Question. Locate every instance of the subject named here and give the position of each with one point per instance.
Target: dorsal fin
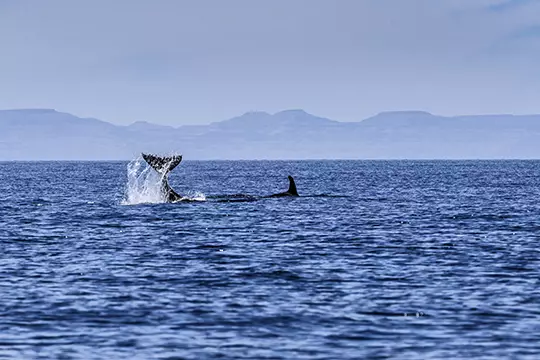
(162, 164)
(292, 187)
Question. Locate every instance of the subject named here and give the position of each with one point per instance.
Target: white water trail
(194, 196)
(143, 185)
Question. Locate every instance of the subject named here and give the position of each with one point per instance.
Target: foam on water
(194, 196)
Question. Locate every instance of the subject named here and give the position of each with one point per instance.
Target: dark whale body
(165, 164)
(290, 192)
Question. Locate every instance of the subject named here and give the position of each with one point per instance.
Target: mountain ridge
(48, 134)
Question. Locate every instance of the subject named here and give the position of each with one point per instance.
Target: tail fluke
(162, 165)
(292, 187)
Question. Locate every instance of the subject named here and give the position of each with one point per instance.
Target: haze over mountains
(45, 134)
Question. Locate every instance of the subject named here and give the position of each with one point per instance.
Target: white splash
(194, 196)
(143, 185)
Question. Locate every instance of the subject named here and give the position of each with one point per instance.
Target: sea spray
(143, 185)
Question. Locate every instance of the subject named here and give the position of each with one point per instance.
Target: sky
(182, 62)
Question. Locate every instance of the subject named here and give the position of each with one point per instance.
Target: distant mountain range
(45, 134)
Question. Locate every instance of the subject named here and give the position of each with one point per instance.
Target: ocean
(375, 260)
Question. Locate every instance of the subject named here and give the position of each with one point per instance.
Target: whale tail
(292, 187)
(162, 164)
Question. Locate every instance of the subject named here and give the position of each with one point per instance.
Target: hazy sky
(187, 62)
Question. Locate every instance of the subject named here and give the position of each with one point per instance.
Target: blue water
(397, 259)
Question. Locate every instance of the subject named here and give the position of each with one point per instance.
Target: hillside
(45, 134)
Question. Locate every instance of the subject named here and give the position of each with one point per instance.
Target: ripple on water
(401, 260)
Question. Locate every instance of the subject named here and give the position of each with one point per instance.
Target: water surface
(382, 259)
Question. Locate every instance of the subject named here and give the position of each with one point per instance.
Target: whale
(163, 165)
(290, 192)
